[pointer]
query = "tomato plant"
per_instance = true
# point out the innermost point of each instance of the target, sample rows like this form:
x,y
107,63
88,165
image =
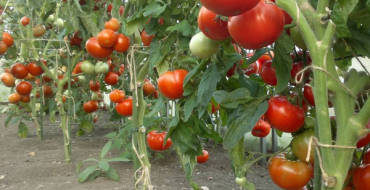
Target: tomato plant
x,y
170,84
39,30
268,73
47,90
101,67
14,98
122,44
87,67
365,140
146,38
203,47
107,38
289,174
23,88
34,69
148,88
111,78
284,116
229,8
94,85
124,107
7,79
96,50
261,129
155,141
203,158
112,24
211,25
300,145
7,39
19,70
91,106
25,21
116,95
361,177
308,95
3,48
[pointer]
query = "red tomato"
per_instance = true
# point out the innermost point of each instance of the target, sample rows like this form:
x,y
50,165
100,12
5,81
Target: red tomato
x,y
366,158
91,106
308,94
170,84
155,94
366,140
25,21
146,38
14,98
7,39
214,108
77,68
19,70
289,174
7,79
76,39
111,78
211,25
94,86
229,8
97,51
231,71
112,24
125,107
259,27
148,88
203,158
268,74
34,69
254,68
45,78
361,177
155,141
23,88
3,48
116,96
283,115
122,44
261,129
107,38
39,30
25,99
297,67
48,91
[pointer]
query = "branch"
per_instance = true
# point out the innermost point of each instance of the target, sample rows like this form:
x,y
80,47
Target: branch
x,y
329,35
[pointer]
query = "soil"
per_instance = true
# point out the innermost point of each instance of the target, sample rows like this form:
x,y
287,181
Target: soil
x,y
32,164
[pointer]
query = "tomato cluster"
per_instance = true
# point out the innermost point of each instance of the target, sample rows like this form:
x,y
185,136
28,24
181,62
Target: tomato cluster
x,y
6,42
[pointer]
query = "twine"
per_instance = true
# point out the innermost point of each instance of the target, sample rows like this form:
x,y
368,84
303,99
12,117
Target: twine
x,y
299,78
145,175
328,181
74,104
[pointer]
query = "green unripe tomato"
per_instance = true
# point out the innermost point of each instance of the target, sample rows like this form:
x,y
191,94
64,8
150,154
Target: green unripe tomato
x,y
309,122
297,38
81,79
203,47
300,146
101,67
87,67
50,19
94,96
240,180
59,23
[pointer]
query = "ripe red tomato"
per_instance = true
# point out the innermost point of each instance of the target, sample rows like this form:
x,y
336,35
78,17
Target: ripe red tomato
x,y
111,78
112,24
97,51
259,27
254,68
211,25
91,106
116,96
94,86
120,70
14,98
19,70
289,174
77,68
125,107
107,38
214,108
7,39
366,158
361,177
25,99
25,21
231,71
148,88
23,88
39,30
122,44
34,69
7,79
76,39
48,91
308,94
3,48
283,115
300,146
268,73
146,38
229,8
170,83
45,78
203,158
366,140
297,67
110,7
261,129
155,141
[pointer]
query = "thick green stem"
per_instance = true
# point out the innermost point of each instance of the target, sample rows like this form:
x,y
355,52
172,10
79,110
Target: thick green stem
x,y
63,124
51,40
321,12
35,115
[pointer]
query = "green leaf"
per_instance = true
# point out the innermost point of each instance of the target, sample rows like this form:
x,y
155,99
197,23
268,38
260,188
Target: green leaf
x,y
183,27
119,159
247,117
115,10
233,99
359,43
90,24
206,88
135,22
112,174
95,174
339,16
154,9
105,149
158,106
77,4
189,163
104,165
282,61
193,72
85,174
111,135
86,125
189,106
8,119
163,66
257,54
115,116
22,130
201,129
187,142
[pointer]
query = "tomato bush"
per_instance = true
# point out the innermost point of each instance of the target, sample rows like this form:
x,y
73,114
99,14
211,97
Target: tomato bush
x,y
170,84
156,142
124,107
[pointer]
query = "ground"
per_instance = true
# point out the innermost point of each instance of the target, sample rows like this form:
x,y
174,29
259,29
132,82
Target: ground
x,y
30,163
